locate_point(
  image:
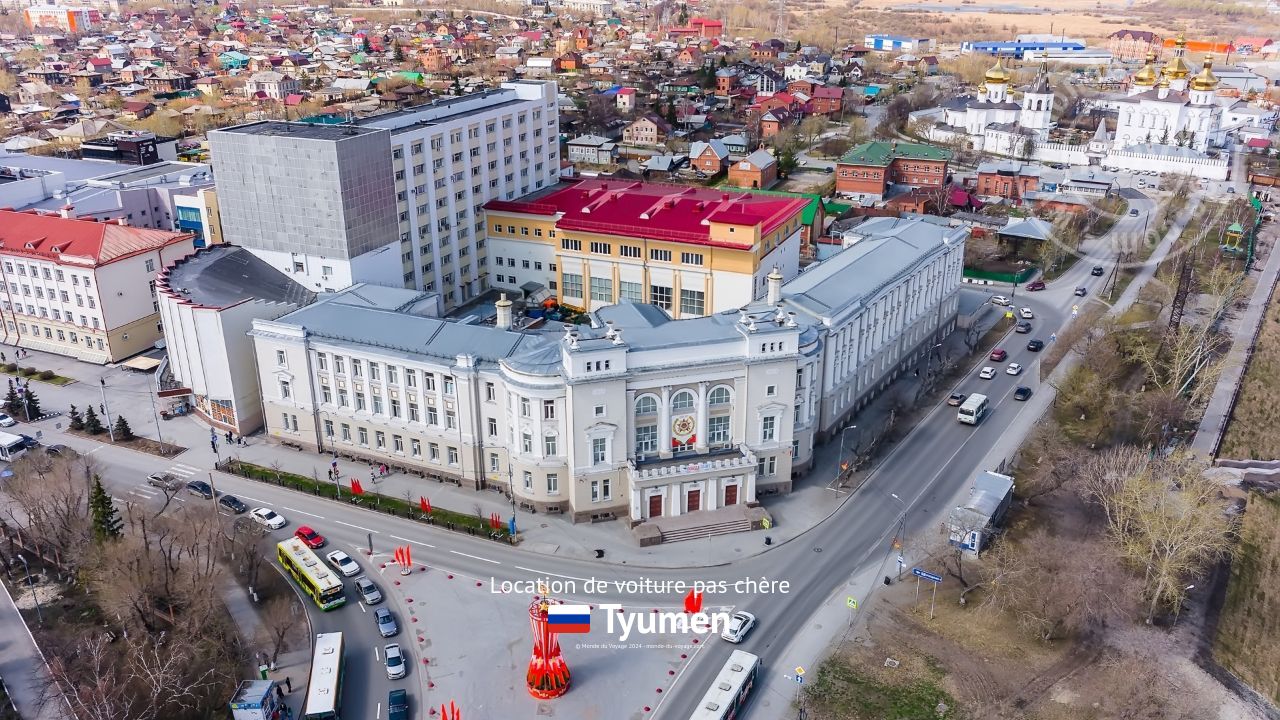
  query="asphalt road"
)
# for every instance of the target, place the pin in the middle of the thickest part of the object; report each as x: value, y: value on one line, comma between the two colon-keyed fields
x: 926, y: 469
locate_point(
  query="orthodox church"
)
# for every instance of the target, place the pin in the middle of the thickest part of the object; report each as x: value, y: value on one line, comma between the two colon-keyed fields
x: 995, y: 122
x: 1171, y: 107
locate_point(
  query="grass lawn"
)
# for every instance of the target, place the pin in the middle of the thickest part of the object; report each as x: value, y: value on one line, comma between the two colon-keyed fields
x: 1251, y: 432
x: 55, y: 380
x: 842, y: 690
x: 1250, y: 626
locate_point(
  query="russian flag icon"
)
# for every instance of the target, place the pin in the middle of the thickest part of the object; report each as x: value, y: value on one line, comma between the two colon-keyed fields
x: 569, y: 618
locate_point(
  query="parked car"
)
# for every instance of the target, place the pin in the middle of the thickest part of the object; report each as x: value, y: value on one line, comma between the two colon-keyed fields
x: 6, y: 421
x: 1098, y: 271
x: 1025, y: 313
x: 310, y: 537
x: 29, y: 442
x: 232, y: 503
x: 368, y: 591
x: 999, y: 355
x: 201, y: 488
x: 1082, y: 291
x: 739, y: 625
x: 1000, y: 300
x: 396, y: 667
x: 1133, y: 212
x: 386, y: 622
x: 987, y: 373
x: 398, y: 705
x: 956, y: 399
x: 268, y: 518
x: 1036, y: 285
x: 1023, y: 327
x: 343, y: 563
x: 1035, y: 345
x: 1013, y: 369
x: 1022, y: 393
x: 164, y: 481
x: 59, y: 451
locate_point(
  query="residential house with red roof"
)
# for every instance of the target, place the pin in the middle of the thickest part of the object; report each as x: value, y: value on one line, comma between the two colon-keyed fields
x: 826, y: 100
x: 647, y: 130
x: 82, y: 288
x: 690, y: 251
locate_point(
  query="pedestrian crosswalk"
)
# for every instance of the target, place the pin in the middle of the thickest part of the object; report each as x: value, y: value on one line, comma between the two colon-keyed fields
x: 182, y: 472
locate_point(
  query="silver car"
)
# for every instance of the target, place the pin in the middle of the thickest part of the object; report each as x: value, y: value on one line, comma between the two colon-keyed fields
x: 739, y: 625
x: 396, y: 665
x: 368, y: 591
x: 387, y: 626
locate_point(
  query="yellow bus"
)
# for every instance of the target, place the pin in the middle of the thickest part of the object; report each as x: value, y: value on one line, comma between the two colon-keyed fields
x: 315, y: 579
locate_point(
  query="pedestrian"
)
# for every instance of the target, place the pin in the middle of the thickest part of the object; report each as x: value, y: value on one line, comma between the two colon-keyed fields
x: 279, y: 693
x: 373, y: 476
x: 213, y: 445
x: 383, y: 469
x: 288, y: 685
x: 240, y: 440
x: 102, y: 409
x: 228, y: 437
x: 3, y: 358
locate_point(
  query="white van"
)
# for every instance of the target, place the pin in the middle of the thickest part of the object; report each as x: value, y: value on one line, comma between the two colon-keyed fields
x: 11, y: 446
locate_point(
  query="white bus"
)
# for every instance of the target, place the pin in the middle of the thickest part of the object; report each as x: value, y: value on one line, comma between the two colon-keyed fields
x: 973, y: 409
x: 314, y: 577
x: 324, y: 690
x: 731, y: 690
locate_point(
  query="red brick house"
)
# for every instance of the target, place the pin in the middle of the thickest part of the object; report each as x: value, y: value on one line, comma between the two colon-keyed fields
x: 759, y: 170
x: 709, y: 157
x: 826, y: 100
x: 1009, y: 180
x: 868, y: 170
x: 775, y: 121
x: 801, y: 86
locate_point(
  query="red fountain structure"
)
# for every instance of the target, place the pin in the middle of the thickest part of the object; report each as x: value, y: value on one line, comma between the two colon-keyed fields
x: 548, y: 675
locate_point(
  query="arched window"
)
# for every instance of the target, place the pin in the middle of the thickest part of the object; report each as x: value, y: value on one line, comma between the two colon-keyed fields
x: 719, y: 396
x: 683, y: 400
x: 646, y: 405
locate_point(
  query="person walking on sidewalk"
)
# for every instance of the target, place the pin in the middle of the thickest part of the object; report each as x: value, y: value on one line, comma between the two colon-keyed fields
x: 288, y: 685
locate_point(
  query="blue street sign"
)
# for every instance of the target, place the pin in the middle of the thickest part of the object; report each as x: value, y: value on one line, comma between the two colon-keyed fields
x: 799, y: 679
x: 512, y: 526
x: 926, y: 575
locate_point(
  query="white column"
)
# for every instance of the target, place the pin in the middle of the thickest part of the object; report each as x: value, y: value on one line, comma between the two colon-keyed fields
x: 674, y: 498
x: 700, y: 444
x: 711, y: 493
x: 637, y: 511
x: 749, y: 487
x: 664, y: 423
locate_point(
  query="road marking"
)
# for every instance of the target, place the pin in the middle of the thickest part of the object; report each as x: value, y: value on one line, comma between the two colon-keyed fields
x: 378, y: 712
x: 376, y: 658
x: 302, y: 512
x: 246, y: 497
x: 184, y: 470
x: 138, y: 494
x: 544, y: 572
x: 415, y: 542
x: 475, y: 557
x: 355, y: 526
x: 362, y: 607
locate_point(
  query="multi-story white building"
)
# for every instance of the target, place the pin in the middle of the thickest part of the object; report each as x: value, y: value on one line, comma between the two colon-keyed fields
x: 637, y: 415
x: 394, y: 199
x: 82, y: 288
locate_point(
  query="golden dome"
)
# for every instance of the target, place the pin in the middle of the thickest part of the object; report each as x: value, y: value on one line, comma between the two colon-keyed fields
x: 997, y: 73
x: 1177, y: 68
x: 1206, y: 80
x: 1147, y: 76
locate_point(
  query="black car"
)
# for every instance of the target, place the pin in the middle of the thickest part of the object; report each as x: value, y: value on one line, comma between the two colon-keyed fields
x: 201, y: 488
x: 1035, y: 345
x: 398, y: 705
x: 1022, y: 393
x: 1082, y: 291
x: 29, y: 442
x: 59, y: 451
x: 1097, y: 271
x: 232, y: 503
x: 1023, y: 327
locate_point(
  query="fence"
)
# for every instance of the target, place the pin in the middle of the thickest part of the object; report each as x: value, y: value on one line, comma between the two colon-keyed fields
x: 1019, y: 277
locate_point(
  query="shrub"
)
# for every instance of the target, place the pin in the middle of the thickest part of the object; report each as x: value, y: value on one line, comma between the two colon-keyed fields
x: 29, y: 371
x: 123, y: 431
x: 11, y: 367
x: 47, y: 375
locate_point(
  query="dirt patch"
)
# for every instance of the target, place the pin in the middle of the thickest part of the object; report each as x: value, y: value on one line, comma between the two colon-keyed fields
x: 1249, y: 629
x: 141, y: 444
x: 1251, y: 431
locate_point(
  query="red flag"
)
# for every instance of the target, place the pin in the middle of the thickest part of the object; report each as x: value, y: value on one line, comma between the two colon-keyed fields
x: 397, y: 555
x: 423, y: 504
x: 356, y: 487
x: 408, y: 556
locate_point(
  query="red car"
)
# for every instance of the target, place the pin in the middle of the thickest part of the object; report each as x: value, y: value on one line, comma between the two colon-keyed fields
x: 312, y: 538
x: 999, y: 355
x: 1037, y: 285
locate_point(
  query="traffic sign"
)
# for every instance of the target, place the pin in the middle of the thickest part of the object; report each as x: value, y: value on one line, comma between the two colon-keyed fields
x: 1008, y: 314
x: 799, y: 679
x: 926, y: 575
x: 853, y: 604
x: 799, y: 670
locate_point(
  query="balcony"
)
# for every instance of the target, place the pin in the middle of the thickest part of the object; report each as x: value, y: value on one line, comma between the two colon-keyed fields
x: 691, y: 465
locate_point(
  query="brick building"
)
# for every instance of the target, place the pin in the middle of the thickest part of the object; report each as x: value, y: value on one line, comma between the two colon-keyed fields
x: 870, y: 170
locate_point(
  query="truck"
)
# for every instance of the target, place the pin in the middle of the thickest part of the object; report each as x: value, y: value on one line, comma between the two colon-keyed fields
x: 11, y: 446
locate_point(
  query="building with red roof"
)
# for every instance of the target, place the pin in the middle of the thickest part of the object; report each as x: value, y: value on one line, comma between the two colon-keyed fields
x: 82, y: 288
x: 691, y: 251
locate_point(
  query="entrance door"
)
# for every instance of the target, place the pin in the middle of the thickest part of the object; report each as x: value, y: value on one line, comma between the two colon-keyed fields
x: 731, y: 495
x: 695, y: 500
x: 655, y: 506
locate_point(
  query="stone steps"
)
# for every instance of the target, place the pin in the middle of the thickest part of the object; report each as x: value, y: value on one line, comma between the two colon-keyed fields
x: 699, y: 532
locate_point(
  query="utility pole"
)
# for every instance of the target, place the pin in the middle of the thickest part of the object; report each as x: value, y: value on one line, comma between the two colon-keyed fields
x: 32, y: 585
x: 106, y: 409
x: 156, y: 418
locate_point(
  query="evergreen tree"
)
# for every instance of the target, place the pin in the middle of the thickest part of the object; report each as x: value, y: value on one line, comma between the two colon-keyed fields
x: 398, y: 52
x: 33, y: 402
x: 74, y: 420
x: 364, y: 44
x: 92, y: 424
x: 106, y: 520
x: 123, y: 431
x: 12, y: 403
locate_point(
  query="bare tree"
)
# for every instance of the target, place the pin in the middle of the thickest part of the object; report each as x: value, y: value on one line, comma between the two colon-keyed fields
x: 279, y: 618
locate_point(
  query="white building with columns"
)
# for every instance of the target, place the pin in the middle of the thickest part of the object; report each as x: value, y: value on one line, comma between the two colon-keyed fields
x: 635, y: 415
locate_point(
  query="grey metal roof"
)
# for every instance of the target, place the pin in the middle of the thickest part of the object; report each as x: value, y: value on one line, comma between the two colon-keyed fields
x: 300, y: 130
x: 892, y: 246
x: 71, y: 169
x: 223, y: 275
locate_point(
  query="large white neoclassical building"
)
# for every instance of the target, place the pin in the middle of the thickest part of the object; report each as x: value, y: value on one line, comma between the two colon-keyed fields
x: 634, y: 415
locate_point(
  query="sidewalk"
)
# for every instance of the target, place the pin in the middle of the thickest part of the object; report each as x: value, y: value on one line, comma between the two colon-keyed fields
x: 23, y: 669
x: 1245, y: 329
x: 292, y: 664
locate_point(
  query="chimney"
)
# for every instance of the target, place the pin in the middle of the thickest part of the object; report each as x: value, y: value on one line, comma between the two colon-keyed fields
x: 504, y: 312
x: 68, y: 211
x: 775, y: 287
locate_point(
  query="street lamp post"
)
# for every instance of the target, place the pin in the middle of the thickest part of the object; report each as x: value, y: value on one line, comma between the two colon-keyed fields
x: 32, y: 585
x: 106, y: 410
x: 902, y: 531
x: 841, y: 466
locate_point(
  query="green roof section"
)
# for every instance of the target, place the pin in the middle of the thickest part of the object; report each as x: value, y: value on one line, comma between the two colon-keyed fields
x: 882, y: 153
x: 810, y: 208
